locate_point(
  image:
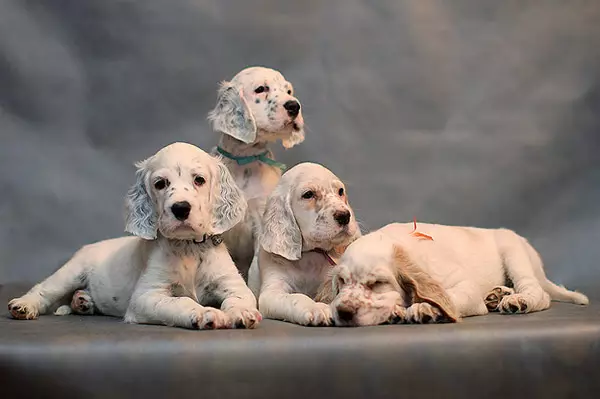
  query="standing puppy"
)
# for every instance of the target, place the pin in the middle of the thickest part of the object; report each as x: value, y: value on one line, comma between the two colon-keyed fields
x: 440, y: 273
x: 176, y: 267
x: 257, y: 107
x: 306, y: 226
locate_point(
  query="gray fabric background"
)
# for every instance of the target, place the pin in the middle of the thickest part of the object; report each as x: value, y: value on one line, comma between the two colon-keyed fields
x: 465, y: 112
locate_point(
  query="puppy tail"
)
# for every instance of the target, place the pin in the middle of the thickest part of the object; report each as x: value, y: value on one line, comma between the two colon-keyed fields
x: 560, y: 293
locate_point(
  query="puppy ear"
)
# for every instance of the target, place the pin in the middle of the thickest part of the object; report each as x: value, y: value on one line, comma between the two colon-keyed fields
x: 141, y: 217
x: 229, y: 204
x: 280, y: 233
x: 296, y: 137
x: 231, y: 115
x: 419, y: 285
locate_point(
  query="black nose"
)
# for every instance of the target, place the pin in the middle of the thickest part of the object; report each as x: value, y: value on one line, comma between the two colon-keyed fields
x: 181, y: 210
x: 345, y: 314
x: 292, y: 107
x: 342, y: 217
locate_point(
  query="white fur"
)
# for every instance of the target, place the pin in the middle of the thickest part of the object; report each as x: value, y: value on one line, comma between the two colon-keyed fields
x: 249, y: 122
x: 173, y: 266
x: 292, y: 228
x: 469, y: 263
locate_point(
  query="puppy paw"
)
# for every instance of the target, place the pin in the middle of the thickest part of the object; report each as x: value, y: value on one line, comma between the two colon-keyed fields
x: 319, y: 315
x: 398, y: 315
x: 516, y: 303
x: 23, y: 309
x: 244, y: 317
x: 63, y: 310
x: 423, y: 313
x: 493, y: 298
x: 209, y: 319
x: 82, y: 303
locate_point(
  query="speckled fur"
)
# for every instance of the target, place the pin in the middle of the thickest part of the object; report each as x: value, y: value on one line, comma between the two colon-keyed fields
x: 159, y: 276
x: 249, y: 122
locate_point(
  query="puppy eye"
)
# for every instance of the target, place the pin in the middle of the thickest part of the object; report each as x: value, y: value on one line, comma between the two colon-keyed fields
x: 341, y: 192
x: 376, y: 284
x: 289, y: 92
x: 308, y: 195
x: 161, y: 184
x: 199, y: 181
x: 261, y: 89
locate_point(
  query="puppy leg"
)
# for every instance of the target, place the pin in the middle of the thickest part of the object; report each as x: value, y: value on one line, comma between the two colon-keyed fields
x: 39, y: 299
x: 467, y: 299
x: 237, y: 301
x: 295, y: 308
x: 158, y: 307
x: 529, y: 296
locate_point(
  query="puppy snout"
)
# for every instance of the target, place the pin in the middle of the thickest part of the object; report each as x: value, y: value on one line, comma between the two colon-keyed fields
x: 342, y: 217
x: 345, y: 312
x: 181, y: 210
x: 292, y: 107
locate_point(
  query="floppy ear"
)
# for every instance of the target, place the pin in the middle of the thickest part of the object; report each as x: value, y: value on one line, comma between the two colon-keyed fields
x: 231, y: 115
x: 141, y: 217
x: 328, y: 290
x: 229, y: 204
x: 280, y: 233
x: 296, y: 137
x: 420, y: 286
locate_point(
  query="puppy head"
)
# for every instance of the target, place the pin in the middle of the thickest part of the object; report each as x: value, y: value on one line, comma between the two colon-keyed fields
x: 374, y: 275
x: 308, y: 209
x: 183, y: 193
x: 258, y: 105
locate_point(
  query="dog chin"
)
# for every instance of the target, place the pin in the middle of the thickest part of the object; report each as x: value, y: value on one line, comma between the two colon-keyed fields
x: 181, y: 231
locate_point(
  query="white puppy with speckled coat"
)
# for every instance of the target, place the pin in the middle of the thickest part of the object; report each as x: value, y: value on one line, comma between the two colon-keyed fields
x: 307, y: 224
x: 175, y: 268
x: 438, y: 273
x: 255, y: 108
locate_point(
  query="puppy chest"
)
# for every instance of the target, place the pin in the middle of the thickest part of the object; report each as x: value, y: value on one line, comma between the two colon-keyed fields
x: 256, y: 179
x: 309, y: 273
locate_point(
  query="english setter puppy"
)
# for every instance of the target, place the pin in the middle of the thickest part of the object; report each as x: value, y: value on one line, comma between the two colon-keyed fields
x: 307, y: 225
x: 438, y: 273
x: 175, y: 268
x: 257, y: 107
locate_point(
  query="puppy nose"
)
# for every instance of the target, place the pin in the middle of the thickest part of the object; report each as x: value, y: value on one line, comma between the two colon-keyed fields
x: 181, y: 210
x: 292, y: 107
x: 342, y: 217
x: 345, y: 313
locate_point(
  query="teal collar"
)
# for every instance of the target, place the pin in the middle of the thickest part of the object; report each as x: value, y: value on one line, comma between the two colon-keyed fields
x: 252, y: 158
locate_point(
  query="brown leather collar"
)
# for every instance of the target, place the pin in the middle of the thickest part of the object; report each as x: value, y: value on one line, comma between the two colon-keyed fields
x: 326, y: 255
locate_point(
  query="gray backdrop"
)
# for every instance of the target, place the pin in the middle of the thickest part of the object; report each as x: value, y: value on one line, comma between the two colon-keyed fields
x: 465, y: 112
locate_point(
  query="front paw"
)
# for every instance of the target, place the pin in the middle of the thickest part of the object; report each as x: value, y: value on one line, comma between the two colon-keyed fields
x: 318, y: 315
x: 209, y: 319
x: 423, y: 313
x: 398, y: 315
x: 244, y: 317
x: 22, y: 309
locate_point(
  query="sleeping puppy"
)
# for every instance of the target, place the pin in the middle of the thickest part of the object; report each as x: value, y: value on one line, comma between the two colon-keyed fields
x: 440, y: 273
x: 256, y: 108
x: 182, y: 201
x: 307, y: 224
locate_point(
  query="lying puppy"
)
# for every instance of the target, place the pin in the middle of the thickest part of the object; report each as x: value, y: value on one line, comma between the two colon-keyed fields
x: 306, y: 226
x: 182, y: 201
x: 255, y: 108
x: 440, y: 273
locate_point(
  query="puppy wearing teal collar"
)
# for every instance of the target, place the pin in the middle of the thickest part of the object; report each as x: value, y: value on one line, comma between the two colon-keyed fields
x: 254, y: 109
